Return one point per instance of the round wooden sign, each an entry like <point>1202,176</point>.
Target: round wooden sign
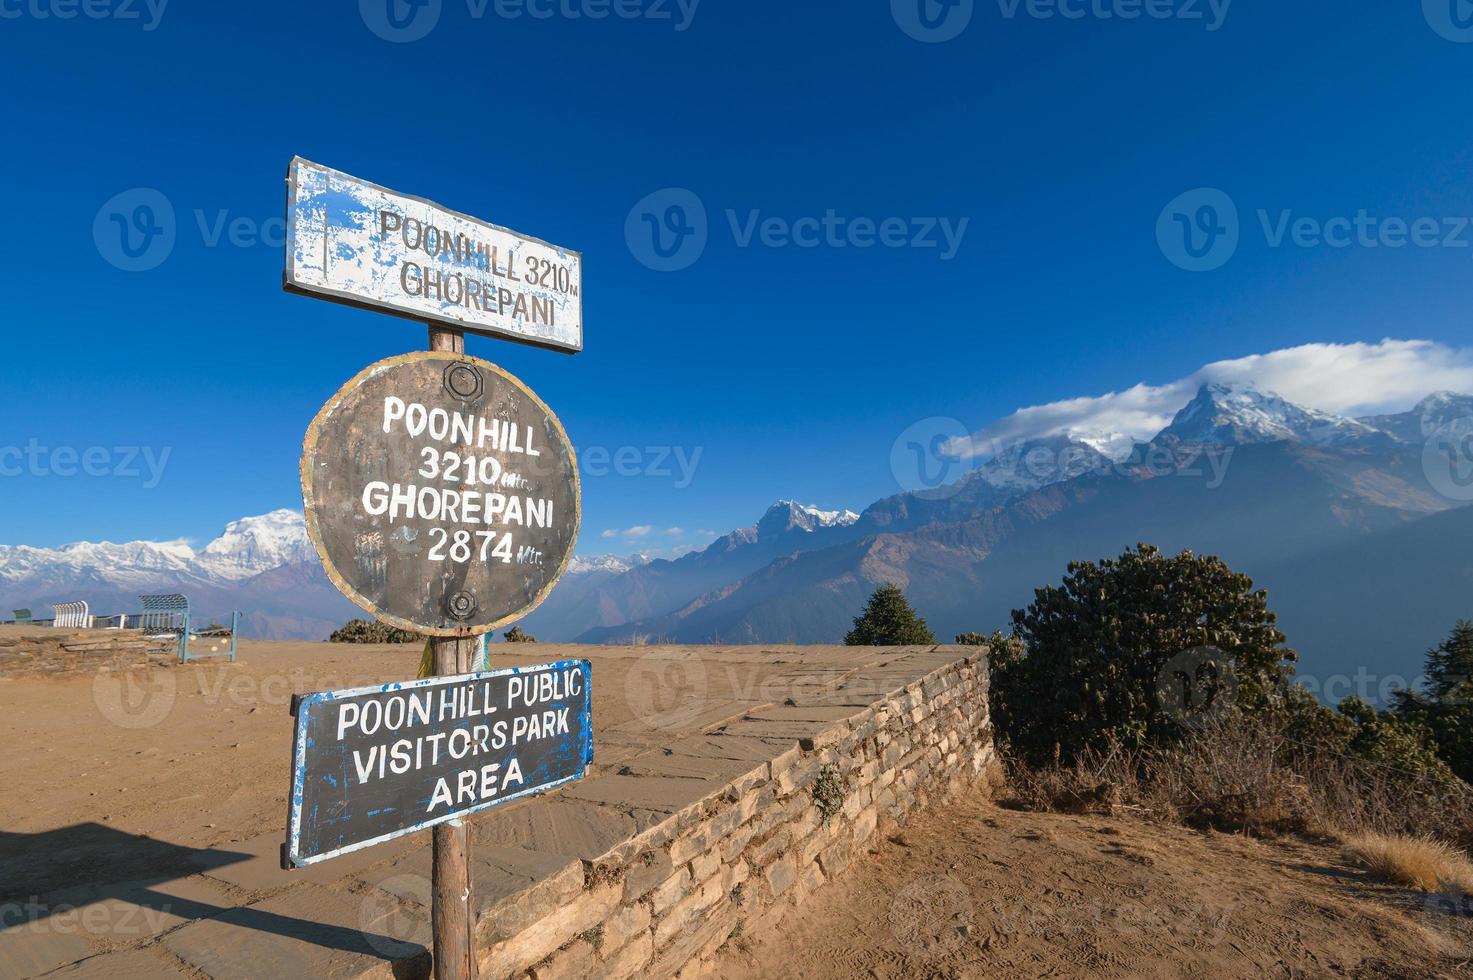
<point>441,493</point>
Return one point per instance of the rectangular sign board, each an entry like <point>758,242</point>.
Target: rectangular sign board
<point>355,242</point>
<point>374,763</point>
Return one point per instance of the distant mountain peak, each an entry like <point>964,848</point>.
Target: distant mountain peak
<point>1239,414</point>
<point>1036,463</point>
<point>788,515</point>
<point>616,564</point>
<point>255,544</point>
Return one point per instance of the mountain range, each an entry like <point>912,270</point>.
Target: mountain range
<point>1362,549</point>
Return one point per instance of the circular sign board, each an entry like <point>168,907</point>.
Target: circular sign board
<point>441,493</point>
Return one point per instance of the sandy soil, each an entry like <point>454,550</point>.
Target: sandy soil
<point>972,890</point>
<point>194,754</point>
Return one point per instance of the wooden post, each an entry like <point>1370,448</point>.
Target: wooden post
<point>453,911</point>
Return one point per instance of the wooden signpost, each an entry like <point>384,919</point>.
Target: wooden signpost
<point>442,495</point>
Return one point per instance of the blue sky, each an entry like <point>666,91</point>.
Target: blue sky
<point>789,369</point>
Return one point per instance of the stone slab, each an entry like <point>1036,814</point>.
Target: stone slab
<point>308,931</point>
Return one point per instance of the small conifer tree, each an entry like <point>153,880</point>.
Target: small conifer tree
<point>888,620</point>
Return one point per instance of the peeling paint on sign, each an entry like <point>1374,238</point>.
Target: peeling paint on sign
<point>374,763</point>
<point>441,493</point>
<point>359,243</point>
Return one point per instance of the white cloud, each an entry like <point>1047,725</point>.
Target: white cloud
<point>1347,379</point>
<point>638,531</point>
<point>674,532</point>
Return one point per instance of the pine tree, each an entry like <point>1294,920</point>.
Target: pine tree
<point>888,621</point>
<point>1447,707</point>
<point>1450,664</point>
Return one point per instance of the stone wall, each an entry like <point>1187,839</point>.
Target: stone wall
<point>885,740</point>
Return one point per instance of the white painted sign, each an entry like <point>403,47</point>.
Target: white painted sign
<point>365,245</point>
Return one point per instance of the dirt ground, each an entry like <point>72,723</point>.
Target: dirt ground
<point>114,775</point>
<point>973,890</point>
<point>193,754</point>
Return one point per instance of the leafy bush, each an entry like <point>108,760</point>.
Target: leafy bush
<point>889,621</point>
<point>372,631</point>
<point>1096,651</point>
<point>515,635</point>
<point>1096,707</point>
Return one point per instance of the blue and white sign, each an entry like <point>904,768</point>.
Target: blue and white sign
<point>374,763</point>
<point>355,242</point>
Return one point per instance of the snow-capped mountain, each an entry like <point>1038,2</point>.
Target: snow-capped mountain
<point>788,515</point>
<point>614,564</point>
<point>247,547</point>
<point>1437,410</point>
<point>255,544</point>
<point>1036,463</point>
<point>1240,414</point>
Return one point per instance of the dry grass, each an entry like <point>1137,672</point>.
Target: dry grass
<point>1251,778</point>
<point>1415,862</point>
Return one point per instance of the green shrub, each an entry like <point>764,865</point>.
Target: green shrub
<point>372,631</point>
<point>1092,655</point>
